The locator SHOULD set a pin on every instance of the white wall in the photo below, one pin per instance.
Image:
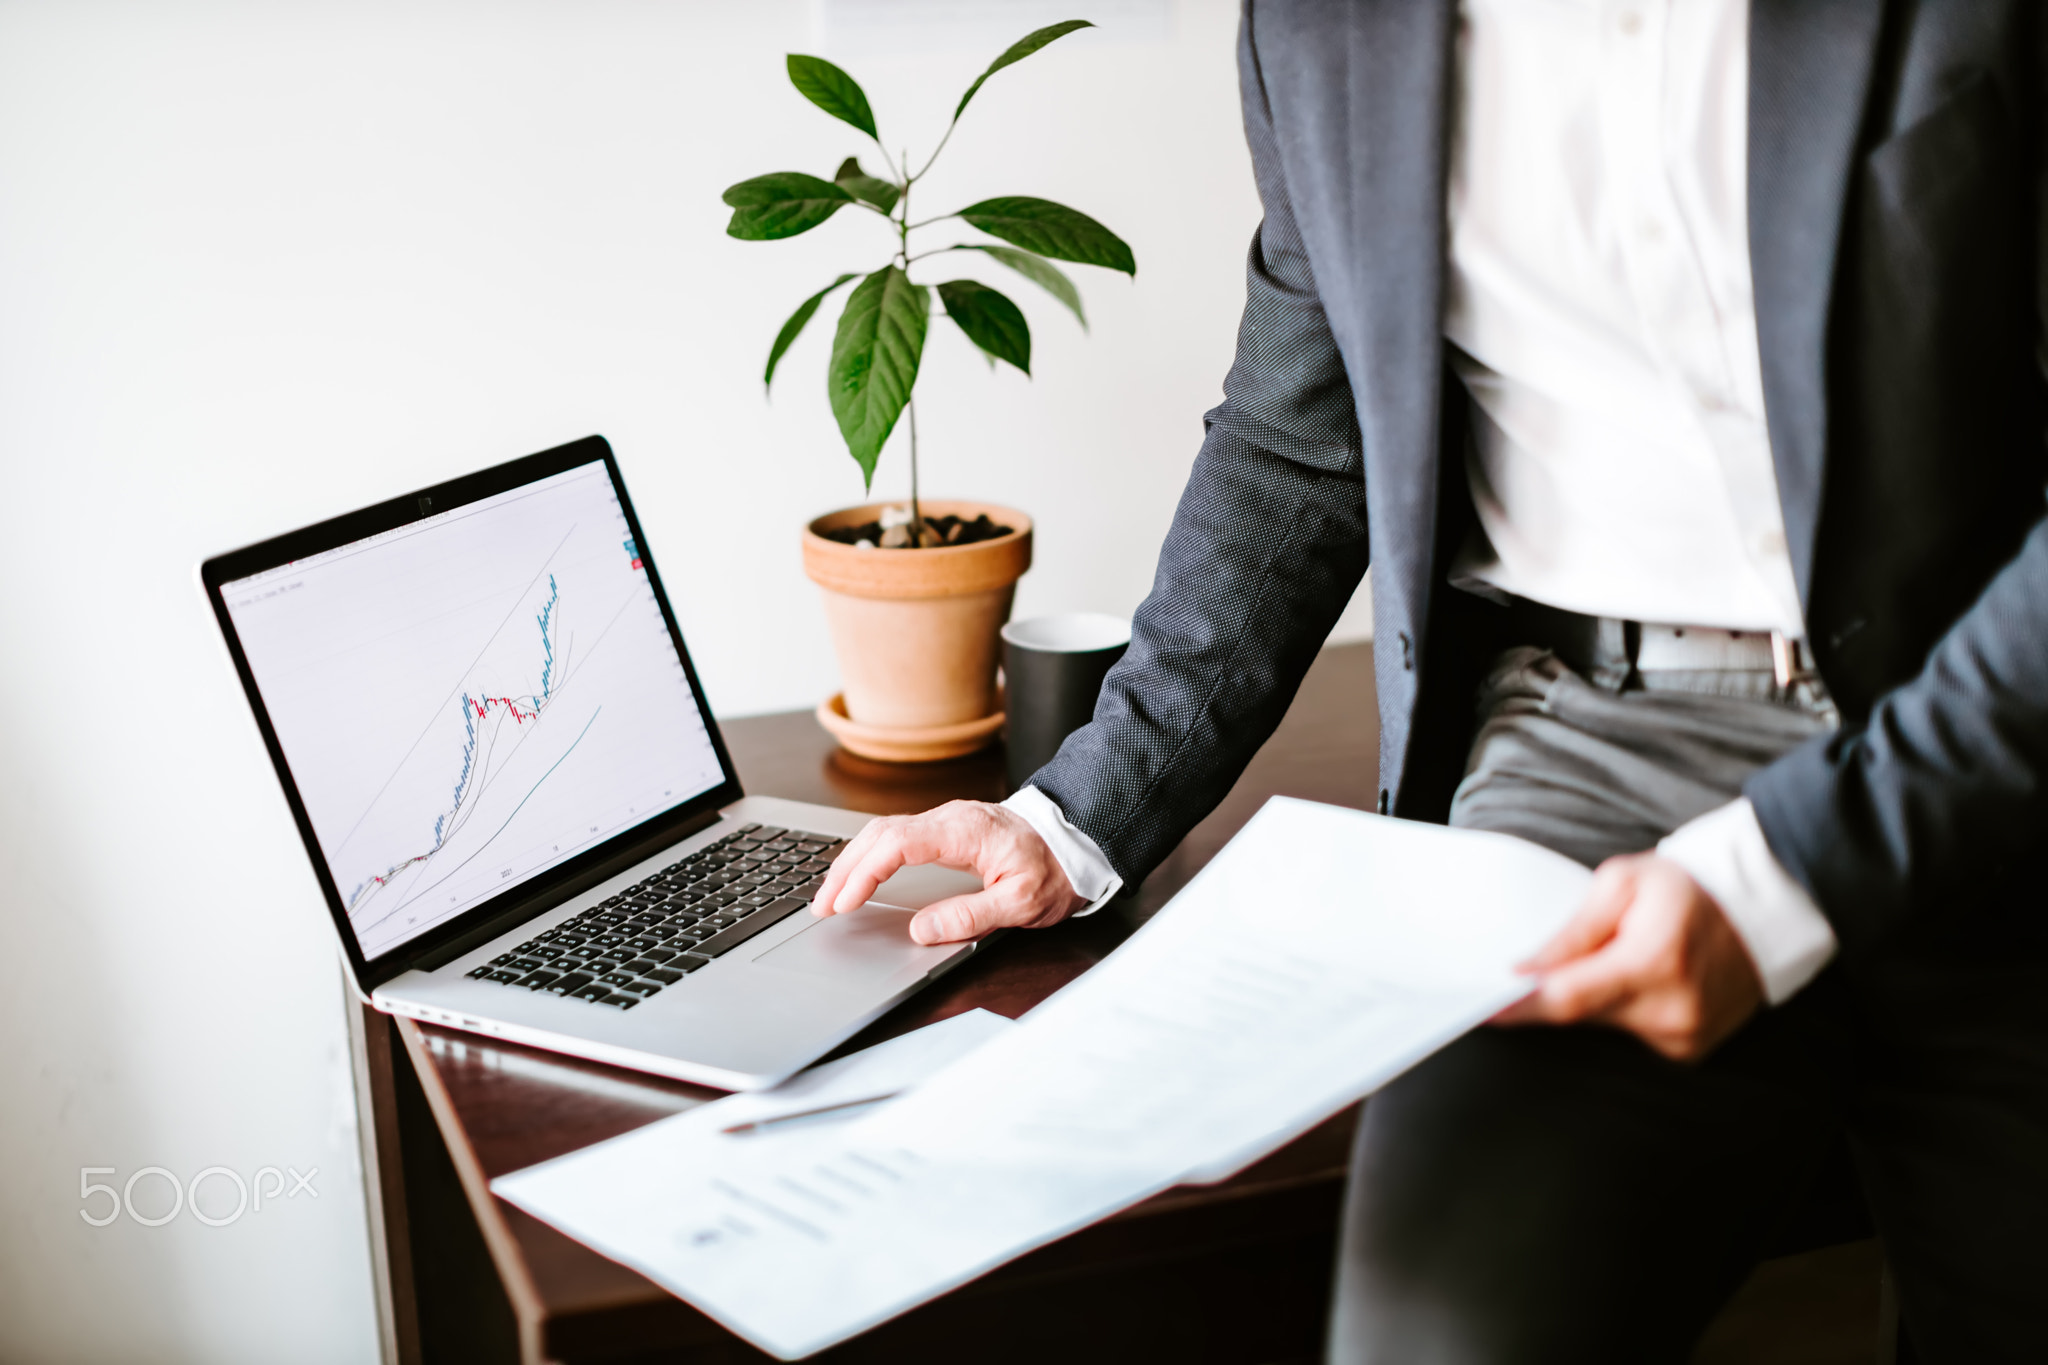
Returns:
(262, 263)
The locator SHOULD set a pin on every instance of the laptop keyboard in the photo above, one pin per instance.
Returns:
(656, 932)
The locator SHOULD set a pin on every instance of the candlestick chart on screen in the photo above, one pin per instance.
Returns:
(495, 726)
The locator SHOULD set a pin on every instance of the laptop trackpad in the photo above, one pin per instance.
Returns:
(870, 944)
(913, 888)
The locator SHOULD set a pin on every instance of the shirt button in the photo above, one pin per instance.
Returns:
(1770, 544)
(1650, 230)
(1631, 23)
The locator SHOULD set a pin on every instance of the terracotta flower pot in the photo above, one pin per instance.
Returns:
(916, 629)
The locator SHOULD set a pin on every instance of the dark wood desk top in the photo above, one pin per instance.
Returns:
(500, 1107)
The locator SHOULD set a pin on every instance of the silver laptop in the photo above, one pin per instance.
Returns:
(518, 805)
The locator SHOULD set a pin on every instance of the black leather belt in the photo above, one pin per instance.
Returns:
(1614, 653)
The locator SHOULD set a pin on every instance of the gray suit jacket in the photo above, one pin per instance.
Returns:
(1897, 241)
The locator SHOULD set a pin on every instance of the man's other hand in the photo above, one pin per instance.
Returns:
(1023, 885)
(1649, 952)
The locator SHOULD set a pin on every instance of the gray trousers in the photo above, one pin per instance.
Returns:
(1592, 772)
(1566, 1194)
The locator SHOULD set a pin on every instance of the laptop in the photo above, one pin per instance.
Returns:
(517, 803)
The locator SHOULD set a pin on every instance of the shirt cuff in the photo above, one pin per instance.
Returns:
(1092, 877)
(1788, 938)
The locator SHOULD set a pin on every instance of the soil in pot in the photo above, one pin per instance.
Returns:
(944, 530)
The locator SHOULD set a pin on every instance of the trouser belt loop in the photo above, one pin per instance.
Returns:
(1614, 654)
(1791, 662)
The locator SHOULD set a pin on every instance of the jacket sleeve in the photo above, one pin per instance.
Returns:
(1266, 547)
(1930, 802)
(1928, 809)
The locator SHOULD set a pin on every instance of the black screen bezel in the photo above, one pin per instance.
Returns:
(548, 888)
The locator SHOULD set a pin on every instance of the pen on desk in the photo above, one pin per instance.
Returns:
(758, 1124)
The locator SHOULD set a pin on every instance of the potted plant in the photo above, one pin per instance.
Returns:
(915, 594)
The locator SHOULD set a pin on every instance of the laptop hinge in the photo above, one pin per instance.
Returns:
(513, 916)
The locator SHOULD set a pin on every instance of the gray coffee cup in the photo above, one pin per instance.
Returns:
(1053, 668)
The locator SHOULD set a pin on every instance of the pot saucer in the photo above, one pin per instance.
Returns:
(912, 744)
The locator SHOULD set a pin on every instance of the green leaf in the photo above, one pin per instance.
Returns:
(1040, 272)
(990, 320)
(796, 323)
(781, 205)
(832, 90)
(862, 186)
(1017, 52)
(874, 361)
(1051, 230)
(880, 193)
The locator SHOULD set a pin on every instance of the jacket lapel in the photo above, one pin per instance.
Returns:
(1809, 80)
(1359, 90)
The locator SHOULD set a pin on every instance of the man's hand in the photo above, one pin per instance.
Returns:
(1649, 952)
(1023, 885)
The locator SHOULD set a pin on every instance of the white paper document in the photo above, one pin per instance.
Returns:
(1320, 954)
(823, 1092)
(655, 1165)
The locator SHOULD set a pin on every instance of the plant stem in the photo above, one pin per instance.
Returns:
(903, 227)
(916, 513)
(935, 151)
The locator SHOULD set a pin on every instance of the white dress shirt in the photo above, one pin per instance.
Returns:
(1600, 312)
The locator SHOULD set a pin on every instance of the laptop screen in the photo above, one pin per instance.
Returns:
(473, 698)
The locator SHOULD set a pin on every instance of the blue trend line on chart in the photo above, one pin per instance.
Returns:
(521, 709)
(549, 773)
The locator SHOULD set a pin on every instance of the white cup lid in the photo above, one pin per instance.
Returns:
(1072, 633)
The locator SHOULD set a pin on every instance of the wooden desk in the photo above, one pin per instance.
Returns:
(1233, 1273)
